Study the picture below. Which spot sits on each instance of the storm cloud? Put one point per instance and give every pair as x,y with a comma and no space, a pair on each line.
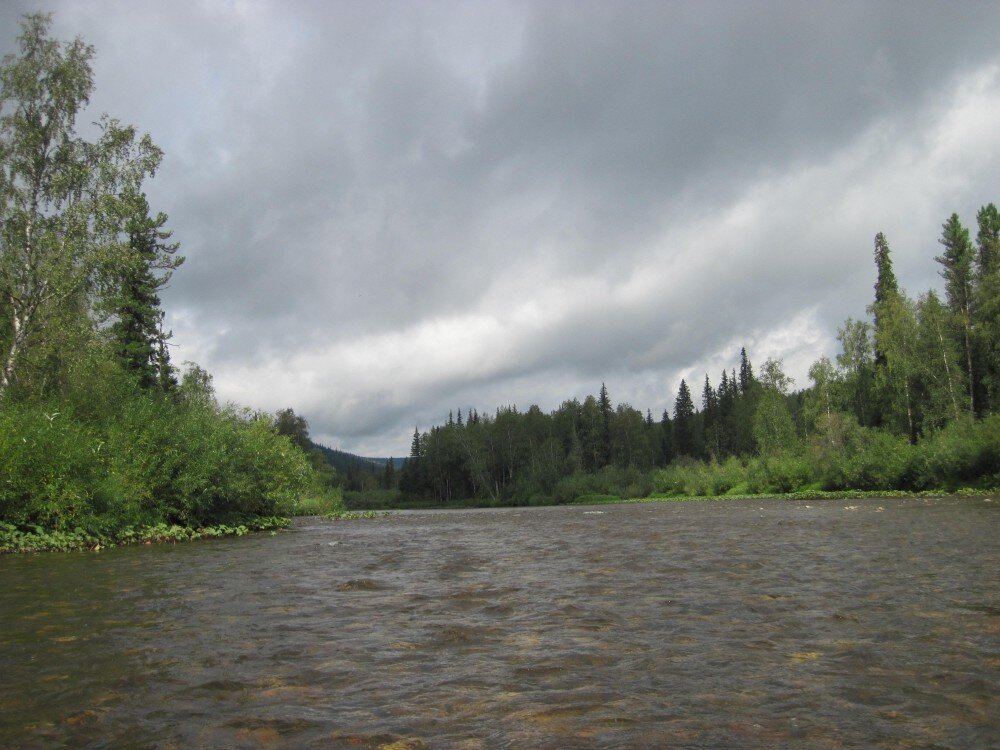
395,209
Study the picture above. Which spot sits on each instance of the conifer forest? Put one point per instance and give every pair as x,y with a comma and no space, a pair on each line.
912,402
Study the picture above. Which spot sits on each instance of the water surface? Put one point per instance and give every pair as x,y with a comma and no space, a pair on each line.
743,624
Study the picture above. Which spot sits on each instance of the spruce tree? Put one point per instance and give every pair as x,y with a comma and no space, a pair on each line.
389,475
747,379
666,439
893,340
957,260
710,416
132,282
604,404
886,288
987,304
746,406
726,398
684,427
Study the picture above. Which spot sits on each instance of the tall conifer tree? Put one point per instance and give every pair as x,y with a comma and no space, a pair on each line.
684,428
604,403
710,416
987,304
957,271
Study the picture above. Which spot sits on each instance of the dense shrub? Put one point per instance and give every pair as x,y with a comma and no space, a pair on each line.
782,473
964,453
142,460
624,483
686,476
51,468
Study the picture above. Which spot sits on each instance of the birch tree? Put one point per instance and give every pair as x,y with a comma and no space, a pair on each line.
77,239
44,239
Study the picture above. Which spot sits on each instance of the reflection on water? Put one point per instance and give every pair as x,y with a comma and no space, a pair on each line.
729,624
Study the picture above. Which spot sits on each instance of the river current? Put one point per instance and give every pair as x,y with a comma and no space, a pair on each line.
735,624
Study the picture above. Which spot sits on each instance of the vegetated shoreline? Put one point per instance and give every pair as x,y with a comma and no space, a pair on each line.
34,538
674,498
801,495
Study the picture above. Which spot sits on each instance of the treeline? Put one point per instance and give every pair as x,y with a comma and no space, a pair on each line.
99,430
911,402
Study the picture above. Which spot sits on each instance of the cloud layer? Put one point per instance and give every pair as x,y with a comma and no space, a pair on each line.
395,209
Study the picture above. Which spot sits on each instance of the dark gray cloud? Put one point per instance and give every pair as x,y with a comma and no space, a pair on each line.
391,209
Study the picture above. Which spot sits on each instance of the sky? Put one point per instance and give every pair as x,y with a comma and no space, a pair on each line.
393,210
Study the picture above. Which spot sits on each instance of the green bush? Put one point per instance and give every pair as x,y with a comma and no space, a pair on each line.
964,453
785,472
611,480
845,455
142,459
50,468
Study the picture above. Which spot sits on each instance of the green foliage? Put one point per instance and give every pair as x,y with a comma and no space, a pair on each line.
848,456
51,467
33,538
963,454
781,473
110,455
609,481
705,478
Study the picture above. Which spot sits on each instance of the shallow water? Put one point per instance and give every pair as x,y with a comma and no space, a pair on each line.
742,624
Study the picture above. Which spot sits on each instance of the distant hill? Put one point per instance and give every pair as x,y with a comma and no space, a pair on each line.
343,462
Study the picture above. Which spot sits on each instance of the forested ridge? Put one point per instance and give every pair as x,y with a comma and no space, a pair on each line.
101,435
910,403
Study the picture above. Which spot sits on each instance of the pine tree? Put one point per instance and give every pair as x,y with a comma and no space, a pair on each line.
958,278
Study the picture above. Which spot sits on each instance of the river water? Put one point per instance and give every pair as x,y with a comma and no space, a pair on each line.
742,624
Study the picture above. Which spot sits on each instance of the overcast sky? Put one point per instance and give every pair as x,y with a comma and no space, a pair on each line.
391,210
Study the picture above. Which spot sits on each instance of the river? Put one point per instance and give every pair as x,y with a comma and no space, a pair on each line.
735,624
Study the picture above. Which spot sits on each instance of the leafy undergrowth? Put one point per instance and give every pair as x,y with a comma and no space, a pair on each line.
801,495
37,539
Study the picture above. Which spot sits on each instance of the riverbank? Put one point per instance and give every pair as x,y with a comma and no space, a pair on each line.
803,495
19,539
357,501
